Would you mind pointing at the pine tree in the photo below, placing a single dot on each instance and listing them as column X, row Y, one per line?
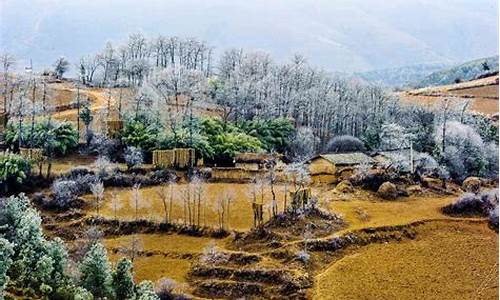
column 145, row 291
column 96, row 272
column 6, row 253
column 123, row 282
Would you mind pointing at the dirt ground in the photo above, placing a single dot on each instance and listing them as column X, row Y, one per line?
column 445, row 261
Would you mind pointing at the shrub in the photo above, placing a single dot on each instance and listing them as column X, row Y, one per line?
column 493, row 217
column 55, row 137
column 14, row 169
column 472, row 204
column 103, row 166
column 345, row 143
column 139, row 134
column 64, row 193
column 133, row 157
column 103, row 146
column 165, row 289
column 213, row 255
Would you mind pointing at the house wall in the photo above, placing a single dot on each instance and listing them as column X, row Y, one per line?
column 321, row 166
column 248, row 166
column 324, row 179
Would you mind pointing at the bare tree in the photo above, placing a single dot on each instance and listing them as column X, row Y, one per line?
column 116, row 203
column 97, row 189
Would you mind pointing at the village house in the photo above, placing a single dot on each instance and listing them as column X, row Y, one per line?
column 255, row 161
column 333, row 167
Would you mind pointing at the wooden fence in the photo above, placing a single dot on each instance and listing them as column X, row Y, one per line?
column 179, row 158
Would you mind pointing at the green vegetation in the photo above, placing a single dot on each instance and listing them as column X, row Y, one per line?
column 40, row 266
column 56, row 138
column 14, row 169
column 212, row 138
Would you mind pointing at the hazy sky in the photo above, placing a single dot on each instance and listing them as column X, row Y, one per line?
column 339, row 35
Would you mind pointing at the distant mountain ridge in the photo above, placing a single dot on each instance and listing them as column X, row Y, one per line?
column 402, row 76
column 464, row 72
column 339, row 36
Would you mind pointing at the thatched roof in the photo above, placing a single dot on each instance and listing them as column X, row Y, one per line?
column 251, row 157
column 346, row 159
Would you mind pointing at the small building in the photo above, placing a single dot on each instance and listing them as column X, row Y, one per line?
column 254, row 161
column 333, row 167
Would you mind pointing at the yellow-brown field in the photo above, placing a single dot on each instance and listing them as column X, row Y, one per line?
column 481, row 94
column 170, row 255
column 240, row 215
column 361, row 213
column 446, row 261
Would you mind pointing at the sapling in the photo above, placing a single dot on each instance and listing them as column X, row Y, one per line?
column 97, row 189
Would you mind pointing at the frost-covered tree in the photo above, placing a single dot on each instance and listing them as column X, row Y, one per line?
column 37, row 263
column 464, row 153
column 145, row 291
column 393, row 136
column 97, row 189
column 95, row 271
column 303, row 144
column 123, row 281
column 6, row 252
column 133, row 157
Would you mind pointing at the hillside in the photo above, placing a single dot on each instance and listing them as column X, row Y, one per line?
column 401, row 77
column 482, row 94
column 465, row 72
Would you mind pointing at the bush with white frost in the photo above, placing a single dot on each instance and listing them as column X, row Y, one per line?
column 472, row 204
column 64, row 193
column 133, row 157
column 213, row 255
column 303, row 256
column 464, row 152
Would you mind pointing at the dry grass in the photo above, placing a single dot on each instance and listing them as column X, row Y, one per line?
column 445, row 261
column 240, row 214
column 361, row 213
column 173, row 259
column 165, row 243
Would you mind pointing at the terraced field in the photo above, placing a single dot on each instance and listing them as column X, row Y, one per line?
column 482, row 95
column 446, row 260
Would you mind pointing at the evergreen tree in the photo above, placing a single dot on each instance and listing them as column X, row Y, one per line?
column 123, row 282
column 96, row 272
column 145, row 291
column 6, row 252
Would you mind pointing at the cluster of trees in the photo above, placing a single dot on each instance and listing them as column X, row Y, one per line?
column 44, row 269
column 132, row 62
column 212, row 138
column 52, row 137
